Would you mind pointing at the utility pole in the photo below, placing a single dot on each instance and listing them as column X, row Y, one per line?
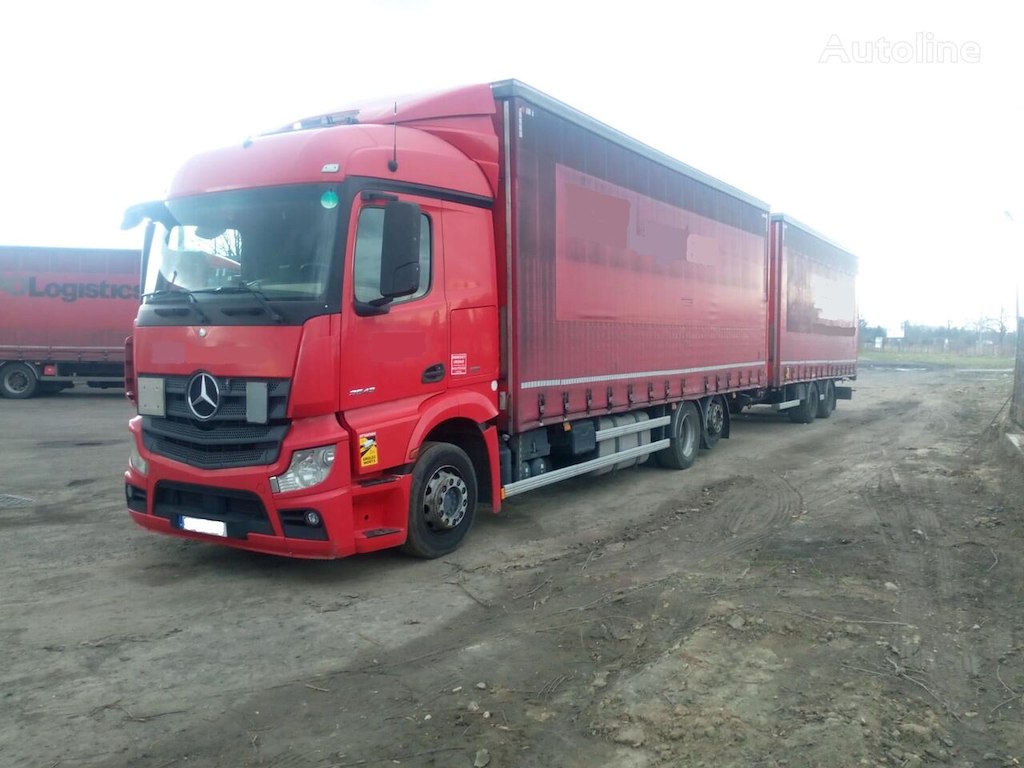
column 1017, row 405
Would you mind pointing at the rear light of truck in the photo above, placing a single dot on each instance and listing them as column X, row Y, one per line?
column 129, row 369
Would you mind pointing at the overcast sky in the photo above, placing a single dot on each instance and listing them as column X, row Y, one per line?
column 842, row 117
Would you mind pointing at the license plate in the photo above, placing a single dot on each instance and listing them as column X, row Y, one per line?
column 200, row 525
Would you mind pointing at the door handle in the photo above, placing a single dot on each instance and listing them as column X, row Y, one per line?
column 433, row 374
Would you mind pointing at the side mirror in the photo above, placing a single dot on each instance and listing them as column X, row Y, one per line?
column 400, row 250
column 154, row 210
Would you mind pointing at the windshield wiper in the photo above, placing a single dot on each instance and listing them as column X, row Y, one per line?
column 241, row 286
column 177, row 293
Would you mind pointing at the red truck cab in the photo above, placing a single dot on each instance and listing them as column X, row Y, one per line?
column 319, row 312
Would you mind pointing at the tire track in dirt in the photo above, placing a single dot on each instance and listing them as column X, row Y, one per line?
column 745, row 514
column 926, row 572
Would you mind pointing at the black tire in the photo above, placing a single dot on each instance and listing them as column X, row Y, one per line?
column 442, row 501
column 714, row 423
column 685, row 434
column 18, row 381
column 808, row 408
column 827, row 404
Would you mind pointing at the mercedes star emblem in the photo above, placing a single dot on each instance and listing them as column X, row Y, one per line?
column 203, row 396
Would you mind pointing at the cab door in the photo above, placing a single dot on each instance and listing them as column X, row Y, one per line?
column 393, row 357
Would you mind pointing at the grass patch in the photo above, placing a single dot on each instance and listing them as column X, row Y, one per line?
column 935, row 358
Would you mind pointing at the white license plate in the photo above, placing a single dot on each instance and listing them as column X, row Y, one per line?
column 199, row 525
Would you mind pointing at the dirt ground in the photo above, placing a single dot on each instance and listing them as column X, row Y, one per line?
column 844, row 593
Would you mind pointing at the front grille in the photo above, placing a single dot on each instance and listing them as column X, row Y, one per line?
column 227, row 440
column 243, row 512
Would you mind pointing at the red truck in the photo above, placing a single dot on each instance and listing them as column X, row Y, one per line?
column 361, row 326
column 64, row 316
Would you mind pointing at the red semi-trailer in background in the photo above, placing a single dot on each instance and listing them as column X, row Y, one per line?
column 359, row 326
column 64, row 316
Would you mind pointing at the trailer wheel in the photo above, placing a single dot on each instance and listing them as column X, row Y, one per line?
column 685, row 434
column 18, row 381
column 808, row 408
column 442, row 501
column 714, row 423
column 827, row 404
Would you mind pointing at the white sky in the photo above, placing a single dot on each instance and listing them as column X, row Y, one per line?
column 910, row 165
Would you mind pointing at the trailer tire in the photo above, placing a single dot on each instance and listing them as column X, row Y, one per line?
column 18, row 381
column 714, row 423
column 827, row 404
column 685, row 434
column 808, row 408
column 442, row 500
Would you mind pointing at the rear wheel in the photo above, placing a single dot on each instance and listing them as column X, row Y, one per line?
column 18, row 381
column 808, row 408
column 685, row 433
column 827, row 404
column 714, row 424
column 442, row 501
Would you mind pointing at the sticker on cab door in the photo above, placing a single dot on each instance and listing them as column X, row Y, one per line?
column 368, row 450
column 459, row 364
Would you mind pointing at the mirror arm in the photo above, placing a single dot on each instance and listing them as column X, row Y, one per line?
column 372, row 308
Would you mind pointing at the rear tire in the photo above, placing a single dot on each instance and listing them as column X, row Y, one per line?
column 808, row 408
column 714, row 423
column 18, row 381
column 685, row 434
column 442, row 501
column 827, row 404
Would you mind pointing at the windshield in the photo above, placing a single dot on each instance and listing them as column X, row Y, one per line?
column 278, row 241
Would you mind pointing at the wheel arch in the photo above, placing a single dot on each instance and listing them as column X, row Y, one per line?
column 466, row 420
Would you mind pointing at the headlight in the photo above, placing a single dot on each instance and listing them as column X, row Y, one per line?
column 135, row 460
column 309, row 467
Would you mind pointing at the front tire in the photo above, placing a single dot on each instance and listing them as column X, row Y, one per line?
column 18, row 381
column 442, row 501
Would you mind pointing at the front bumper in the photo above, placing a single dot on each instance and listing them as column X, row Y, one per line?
column 255, row 518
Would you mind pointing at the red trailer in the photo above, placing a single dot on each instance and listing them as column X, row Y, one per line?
column 358, row 325
column 812, row 322
column 64, row 316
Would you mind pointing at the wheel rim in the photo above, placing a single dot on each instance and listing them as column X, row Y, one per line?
column 16, row 381
column 445, row 499
column 716, row 418
column 689, row 434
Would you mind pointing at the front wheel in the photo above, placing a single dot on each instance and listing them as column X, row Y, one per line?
column 18, row 381
column 442, row 501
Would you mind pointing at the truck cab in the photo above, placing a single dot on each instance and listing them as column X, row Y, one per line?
column 317, row 341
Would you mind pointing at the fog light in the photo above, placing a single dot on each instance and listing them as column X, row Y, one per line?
column 313, row 519
column 308, row 468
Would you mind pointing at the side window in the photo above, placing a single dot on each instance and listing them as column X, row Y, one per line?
column 369, row 239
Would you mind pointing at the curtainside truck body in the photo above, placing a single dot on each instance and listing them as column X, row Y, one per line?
column 64, row 316
column 361, row 326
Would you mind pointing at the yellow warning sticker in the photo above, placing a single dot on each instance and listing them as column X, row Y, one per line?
column 368, row 450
